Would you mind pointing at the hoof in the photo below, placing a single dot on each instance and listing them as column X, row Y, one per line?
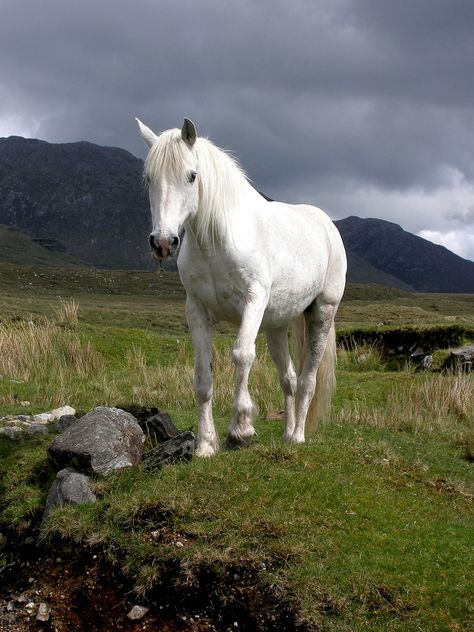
column 294, row 438
column 205, row 450
column 237, row 443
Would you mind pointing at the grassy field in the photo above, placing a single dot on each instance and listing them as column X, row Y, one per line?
column 368, row 526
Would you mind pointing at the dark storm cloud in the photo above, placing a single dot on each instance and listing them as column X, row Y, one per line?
column 352, row 104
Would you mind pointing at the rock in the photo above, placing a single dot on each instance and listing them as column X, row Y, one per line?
column 64, row 422
column 69, row 488
column 25, row 403
column 63, row 410
column 137, row 613
column 421, row 358
column 104, row 440
column 159, row 427
column 461, row 359
column 52, row 415
column 44, row 610
column 43, row 418
column 13, row 432
column 180, row 448
column 36, row 430
column 141, row 413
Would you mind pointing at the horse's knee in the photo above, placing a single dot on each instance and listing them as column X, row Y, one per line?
column 203, row 390
column 307, row 383
column 289, row 383
column 243, row 356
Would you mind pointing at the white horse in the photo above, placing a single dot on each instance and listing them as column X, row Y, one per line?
column 257, row 263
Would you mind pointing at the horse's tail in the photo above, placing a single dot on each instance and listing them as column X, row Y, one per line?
column 320, row 406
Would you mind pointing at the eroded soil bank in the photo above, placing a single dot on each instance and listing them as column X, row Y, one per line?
column 84, row 593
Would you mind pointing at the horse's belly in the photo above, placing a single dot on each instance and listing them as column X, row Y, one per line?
column 284, row 306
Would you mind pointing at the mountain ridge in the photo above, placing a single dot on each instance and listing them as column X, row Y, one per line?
column 89, row 202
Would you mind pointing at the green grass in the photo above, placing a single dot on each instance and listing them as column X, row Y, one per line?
column 368, row 526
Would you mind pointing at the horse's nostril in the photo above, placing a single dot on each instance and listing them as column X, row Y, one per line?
column 175, row 242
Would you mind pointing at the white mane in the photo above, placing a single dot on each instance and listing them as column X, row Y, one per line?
column 220, row 178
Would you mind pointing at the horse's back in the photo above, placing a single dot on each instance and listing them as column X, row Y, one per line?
column 307, row 242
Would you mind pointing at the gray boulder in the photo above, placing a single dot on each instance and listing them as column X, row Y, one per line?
column 460, row 360
column 101, row 441
column 69, row 488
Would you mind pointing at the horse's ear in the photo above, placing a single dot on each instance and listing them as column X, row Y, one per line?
column 147, row 134
column 188, row 132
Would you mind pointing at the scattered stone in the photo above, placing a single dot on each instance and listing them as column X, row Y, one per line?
column 36, row 430
column 68, row 488
column 421, row 358
column 25, row 403
column 461, row 359
column 52, row 415
column 44, row 610
column 43, row 418
column 13, row 432
column 103, row 440
column 159, row 426
column 30, row 606
column 137, row 613
column 180, row 448
column 63, row 410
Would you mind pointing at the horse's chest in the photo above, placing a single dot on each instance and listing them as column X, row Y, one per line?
column 223, row 294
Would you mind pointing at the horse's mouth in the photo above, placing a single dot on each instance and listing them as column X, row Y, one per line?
column 160, row 253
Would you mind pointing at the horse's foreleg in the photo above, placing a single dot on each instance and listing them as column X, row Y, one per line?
column 241, row 428
column 201, row 332
column 319, row 322
column 278, row 347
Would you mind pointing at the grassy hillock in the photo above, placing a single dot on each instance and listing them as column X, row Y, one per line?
column 17, row 248
column 367, row 526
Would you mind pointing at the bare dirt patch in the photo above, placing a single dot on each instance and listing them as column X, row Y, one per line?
column 85, row 593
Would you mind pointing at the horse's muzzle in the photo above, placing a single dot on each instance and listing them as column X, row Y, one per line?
column 162, row 247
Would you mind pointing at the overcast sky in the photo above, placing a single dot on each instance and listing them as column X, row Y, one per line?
column 362, row 107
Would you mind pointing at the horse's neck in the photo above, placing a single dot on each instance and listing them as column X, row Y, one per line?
column 236, row 216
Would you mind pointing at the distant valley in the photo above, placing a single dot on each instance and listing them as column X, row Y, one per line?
column 82, row 204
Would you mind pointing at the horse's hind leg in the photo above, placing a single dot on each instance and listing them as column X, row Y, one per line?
column 319, row 320
column 278, row 347
column 201, row 332
column 241, row 428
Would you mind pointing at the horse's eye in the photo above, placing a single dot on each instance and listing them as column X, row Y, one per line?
column 191, row 177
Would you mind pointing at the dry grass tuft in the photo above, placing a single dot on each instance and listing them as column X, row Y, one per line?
column 443, row 403
column 67, row 313
column 32, row 350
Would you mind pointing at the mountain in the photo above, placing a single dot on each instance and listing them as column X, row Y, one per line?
column 89, row 199
column 424, row 266
column 17, row 247
column 80, row 202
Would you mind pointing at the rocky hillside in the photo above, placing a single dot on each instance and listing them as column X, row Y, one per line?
column 424, row 266
column 89, row 199
column 88, row 202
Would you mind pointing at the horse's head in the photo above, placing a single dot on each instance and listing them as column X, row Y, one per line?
column 171, row 172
